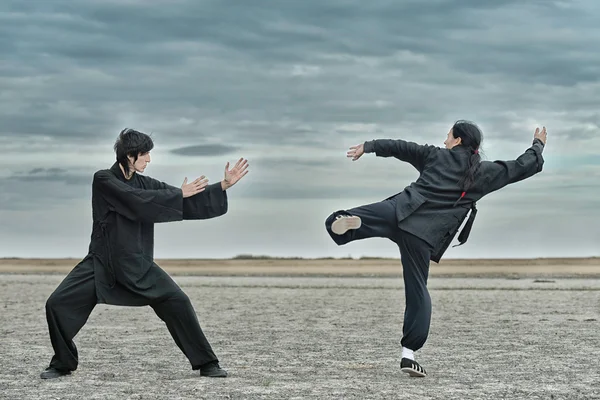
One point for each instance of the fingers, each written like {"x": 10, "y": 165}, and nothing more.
{"x": 540, "y": 133}
{"x": 184, "y": 182}
{"x": 242, "y": 163}
{"x": 198, "y": 180}
{"x": 199, "y": 185}
{"x": 241, "y": 175}
{"x": 354, "y": 152}
{"x": 244, "y": 166}
{"x": 202, "y": 182}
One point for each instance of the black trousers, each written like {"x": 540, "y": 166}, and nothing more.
{"x": 70, "y": 305}
{"x": 379, "y": 220}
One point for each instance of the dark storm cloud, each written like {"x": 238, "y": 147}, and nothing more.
{"x": 84, "y": 72}
{"x": 43, "y": 188}
{"x": 289, "y": 80}
{"x": 50, "y": 175}
{"x": 205, "y": 150}
{"x": 292, "y": 163}
{"x": 300, "y": 191}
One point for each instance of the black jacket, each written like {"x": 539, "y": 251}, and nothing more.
{"x": 122, "y": 242}
{"x": 426, "y": 208}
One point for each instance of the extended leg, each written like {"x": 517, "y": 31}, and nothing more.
{"x": 178, "y": 314}
{"x": 67, "y": 310}
{"x": 376, "y": 220}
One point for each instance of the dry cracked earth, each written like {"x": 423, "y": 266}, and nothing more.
{"x": 321, "y": 338}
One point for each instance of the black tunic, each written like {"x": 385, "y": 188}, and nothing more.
{"x": 122, "y": 242}
{"x": 426, "y": 208}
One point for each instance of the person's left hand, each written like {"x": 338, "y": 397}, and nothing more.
{"x": 356, "y": 152}
{"x": 233, "y": 175}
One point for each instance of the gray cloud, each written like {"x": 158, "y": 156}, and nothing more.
{"x": 50, "y": 175}
{"x": 285, "y": 64}
{"x": 291, "y": 85}
{"x": 204, "y": 150}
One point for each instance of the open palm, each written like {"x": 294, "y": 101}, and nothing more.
{"x": 233, "y": 175}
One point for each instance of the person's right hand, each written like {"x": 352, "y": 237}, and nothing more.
{"x": 190, "y": 189}
{"x": 540, "y": 135}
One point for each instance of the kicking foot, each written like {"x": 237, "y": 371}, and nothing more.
{"x": 344, "y": 223}
{"x": 212, "y": 370}
{"x": 412, "y": 368}
{"x": 51, "y": 373}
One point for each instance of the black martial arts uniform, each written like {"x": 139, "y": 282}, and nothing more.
{"x": 119, "y": 268}
{"x": 424, "y": 218}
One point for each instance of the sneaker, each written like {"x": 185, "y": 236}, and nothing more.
{"x": 412, "y": 368}
{"x": 212, "y": 370}
{"x": 51, "y": 373}
{"x": 344, "y": 223}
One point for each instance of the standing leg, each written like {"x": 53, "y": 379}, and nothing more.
{"x": 180, "y": 317}
{"x": 415, "y": 254}
{"x": 67, "y": 310}
{"x": 376, "y": 220}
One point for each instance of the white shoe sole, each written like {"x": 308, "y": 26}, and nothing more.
{"x": 344, "y": 224}
{"x": 413, "y": 372}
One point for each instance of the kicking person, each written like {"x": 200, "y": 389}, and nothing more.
{"x": 119, "y": 268}
{"x": 424, "y": 218}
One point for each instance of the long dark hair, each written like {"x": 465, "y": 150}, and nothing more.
{"x": 131, "y": 143}
{"x": 471, "y": 138}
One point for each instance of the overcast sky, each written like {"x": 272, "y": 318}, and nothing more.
{"x": 290, "y": 85}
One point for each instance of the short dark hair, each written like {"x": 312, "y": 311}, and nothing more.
{"x": 131, "y": 143}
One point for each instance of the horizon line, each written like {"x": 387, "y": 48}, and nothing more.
{"x": 267, "y": 257}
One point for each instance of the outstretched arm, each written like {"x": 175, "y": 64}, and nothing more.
{"x": 212, "y": 201}
{"x": 147, "y": 205}
{"x": 502, "y": 173}
{"x": 403, "y": 150}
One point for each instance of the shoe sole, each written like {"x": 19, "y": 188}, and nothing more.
{"x": 343, "y": 225}
{"x": 413, "y": 373}
{"x": 215, "y": 376}
{"x": 52, "y": 376}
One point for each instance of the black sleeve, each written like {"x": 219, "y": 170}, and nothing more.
{"x": 502, "y": 173}
{"x": 146, "y": 205}
{"x": 410, "y": 152}
{"x": 210, "y": 203}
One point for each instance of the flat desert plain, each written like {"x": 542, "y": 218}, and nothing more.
{"x": 321, "y": 329}
{"x": 557, "y": 267}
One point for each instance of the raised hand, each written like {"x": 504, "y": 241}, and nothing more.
{"x": 233, "y": 175}
{"x": 540, "y": 135}
{"x": 197, "y": 186}
{"x": 355, "y": 152}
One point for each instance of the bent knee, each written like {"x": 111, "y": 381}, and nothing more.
{"x": 54, "y": 301}
{"x": 180, "y": 297}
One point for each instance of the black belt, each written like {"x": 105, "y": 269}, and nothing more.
{"x": 464, "y": 234}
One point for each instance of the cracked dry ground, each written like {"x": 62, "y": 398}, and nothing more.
{"x": 339, "y": 338}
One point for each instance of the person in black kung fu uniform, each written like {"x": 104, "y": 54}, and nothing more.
{"x": 119, "y": 268}
{"x": 424, "y": 218}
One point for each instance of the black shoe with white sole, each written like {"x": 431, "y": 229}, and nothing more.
{"x": 412, "y": 368}
{"x": 344, "y": 223}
